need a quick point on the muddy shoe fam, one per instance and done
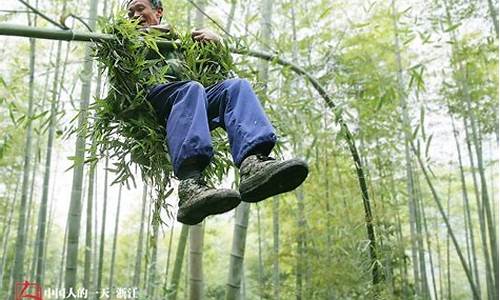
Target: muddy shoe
(197, 201)
(263, 177)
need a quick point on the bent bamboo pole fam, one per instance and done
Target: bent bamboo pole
(69, 35)
(62, 35)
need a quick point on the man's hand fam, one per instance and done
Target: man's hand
(204, 35)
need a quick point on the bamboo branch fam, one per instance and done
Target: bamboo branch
(15, 11)
(42, 15)
(210, 18)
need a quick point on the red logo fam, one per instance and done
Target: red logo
(28, 290)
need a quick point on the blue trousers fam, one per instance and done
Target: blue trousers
(190, 111)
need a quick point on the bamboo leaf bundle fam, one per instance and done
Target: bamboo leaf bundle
(124, 123)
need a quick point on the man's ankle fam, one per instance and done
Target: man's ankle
(190, 174)
(190, 169)
(262, 150)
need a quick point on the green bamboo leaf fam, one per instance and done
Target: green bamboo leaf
(428, 145)
(325, 13)
(422, 121)
(452, 27)
(415, 132)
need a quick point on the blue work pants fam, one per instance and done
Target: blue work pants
(190, 111)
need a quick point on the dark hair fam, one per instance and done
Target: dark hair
(154, 3)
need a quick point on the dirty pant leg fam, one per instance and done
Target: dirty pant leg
(233, 105)
(182, 106)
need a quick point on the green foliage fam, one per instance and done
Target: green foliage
(125, 124)
(478, 61)
(350, 47)
(204, 62)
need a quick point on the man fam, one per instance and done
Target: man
(191, 110)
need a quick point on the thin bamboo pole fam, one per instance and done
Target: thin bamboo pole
(60, 35)
(140, 241)
(179, 258)
(196, 287)
(451, 234)
(115, 239)
(75, 209)
(468, 219)
(167, 267)
(48, 162)
(418, 261)
(18, 269)
(6, 236)
(103, 229)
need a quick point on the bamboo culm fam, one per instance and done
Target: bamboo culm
(76, 189)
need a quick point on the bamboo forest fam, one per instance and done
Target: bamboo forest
(237, 149)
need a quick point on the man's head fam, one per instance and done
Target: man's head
(149, 12)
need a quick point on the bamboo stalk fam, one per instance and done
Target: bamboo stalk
(61, 35)
(234, 279)
(415, 230)
(259, 241)
(461, 72)
(152, 281)
(449, 228)
(18, 269)
(165, 280)
(115, 238)
(196, 284)
(46, 178)
(5, 234)
(276, 247)
(138, 258)
(468, 219)
(422, 213)
(179, 258)
(103, 228)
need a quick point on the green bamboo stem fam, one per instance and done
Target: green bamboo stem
(167, 268)
(18, 269)
(418, 260)
(61, 35)
(103, 227)
(46, 178)
(147, 248)
(234, 284)
(196, 281)
(179, 258)
(115, 239)
(259, 241)
(468, 219)
(422, 213)
(376, 274)
(152, 281)
(138, 259)
(75, 206)
(449, 228)
(276, 247)
(5, 234)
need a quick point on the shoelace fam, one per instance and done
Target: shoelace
(200, 181)
(204, 183)
(264, 158)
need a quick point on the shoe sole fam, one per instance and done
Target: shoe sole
(211, 205)
(281, 180)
